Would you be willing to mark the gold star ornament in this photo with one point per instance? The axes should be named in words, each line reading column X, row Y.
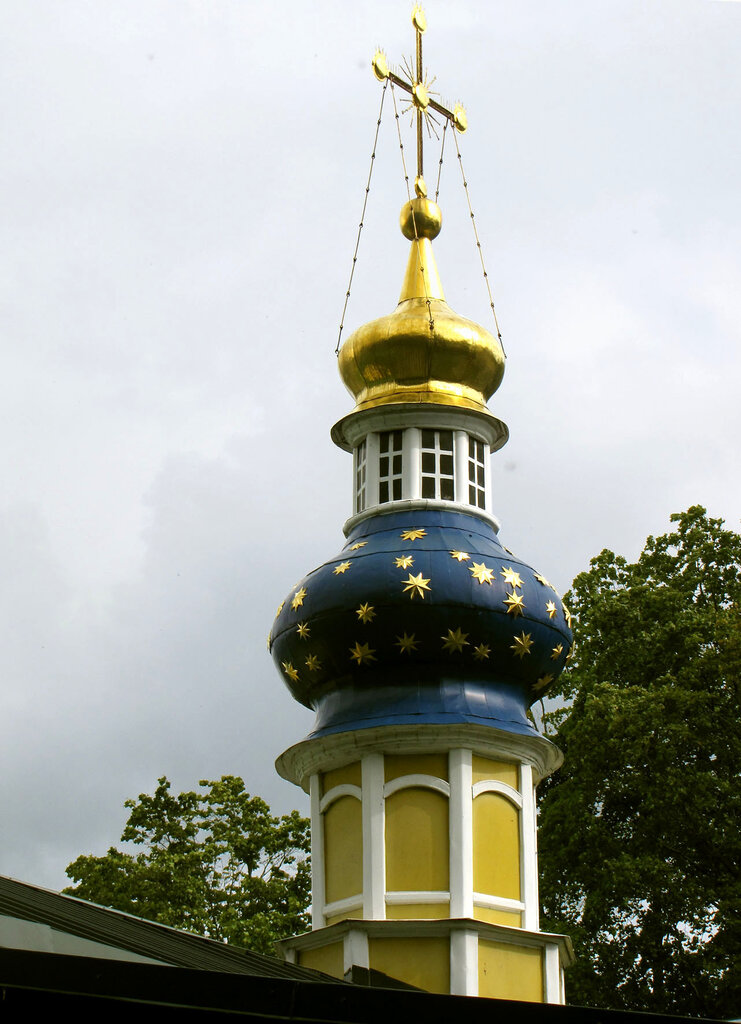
column 406, row 644
column 290, row 671
column 481, row 572
column 303, row 630
column 515, row 604
column 416, row 585
column 362, row 653
column 551, row 609
column 413, row 534
column 542, row 580
column 365, row 613
column 313, row 663
column 460, row 556
column 544, row 681
column 455, row 642
column 481, row 653
column 298, row 598
column 557, row 652
column 404, row 562
column 359, row 545
column 522, row 644
column 280, row 609
column 341, row 569
column 511, row 578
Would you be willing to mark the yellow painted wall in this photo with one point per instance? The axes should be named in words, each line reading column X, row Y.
column 485, row 769
column 510, row 972
column 406, row 911
column 496, row 846
column 396, row 765
column 417, row 840
column 329, row 959
column 513, row 918
column 349, row 773
column 343, row 849
column 350, row 915
column 421, row 962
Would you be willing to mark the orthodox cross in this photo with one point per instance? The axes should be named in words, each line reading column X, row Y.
column 418, row 88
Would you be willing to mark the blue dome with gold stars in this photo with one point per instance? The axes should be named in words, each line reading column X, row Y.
column 423, row 617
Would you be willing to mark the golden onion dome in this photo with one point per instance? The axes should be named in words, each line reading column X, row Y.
column 423, row 352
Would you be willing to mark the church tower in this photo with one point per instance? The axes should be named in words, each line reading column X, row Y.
column 421, row 646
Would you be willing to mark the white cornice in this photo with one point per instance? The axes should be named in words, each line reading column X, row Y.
column 323, row 753
column 428, row 928
column 351, row 429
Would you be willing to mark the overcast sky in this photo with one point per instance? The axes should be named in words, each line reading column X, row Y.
column 181, row 186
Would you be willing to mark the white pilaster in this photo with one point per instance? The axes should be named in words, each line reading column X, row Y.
column 461, row 467
column 461, row 833
column 411, row 467
column 355, row 950
column 374, row 852
column 317, row 854
column 464, row 963
column 529, row 866
column 552, row 988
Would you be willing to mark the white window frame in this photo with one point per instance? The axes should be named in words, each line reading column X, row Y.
column 437, row 475
column 474, row 464
column 361, row 477
column 392, row 477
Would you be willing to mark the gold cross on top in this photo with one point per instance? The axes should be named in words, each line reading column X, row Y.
column 418, row 88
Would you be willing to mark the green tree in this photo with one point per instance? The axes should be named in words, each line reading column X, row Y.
column 639, row 832
column 217, row 863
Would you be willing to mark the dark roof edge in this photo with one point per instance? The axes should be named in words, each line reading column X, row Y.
column 80, row 982
column 147, row 938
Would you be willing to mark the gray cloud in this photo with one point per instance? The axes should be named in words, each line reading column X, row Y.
column 182, row 185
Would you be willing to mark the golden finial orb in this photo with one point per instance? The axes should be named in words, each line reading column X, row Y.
column 420, row 218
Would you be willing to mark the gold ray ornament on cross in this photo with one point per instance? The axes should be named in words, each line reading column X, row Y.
column 418, row 87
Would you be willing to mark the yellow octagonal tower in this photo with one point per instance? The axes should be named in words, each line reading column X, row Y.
column 421, row 646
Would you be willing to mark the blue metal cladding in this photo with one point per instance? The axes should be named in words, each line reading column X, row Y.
column 477, row 638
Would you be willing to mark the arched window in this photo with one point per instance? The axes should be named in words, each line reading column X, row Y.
column 417, row 841
column 343, row 849
column 496, row 846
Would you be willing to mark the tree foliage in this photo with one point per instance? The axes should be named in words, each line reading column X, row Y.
column 216, row 862
column 639, row 831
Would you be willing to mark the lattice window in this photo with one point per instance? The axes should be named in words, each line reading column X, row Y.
column 360, row 476
column 476, row 473
column 438, row 478
column 389, row 466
